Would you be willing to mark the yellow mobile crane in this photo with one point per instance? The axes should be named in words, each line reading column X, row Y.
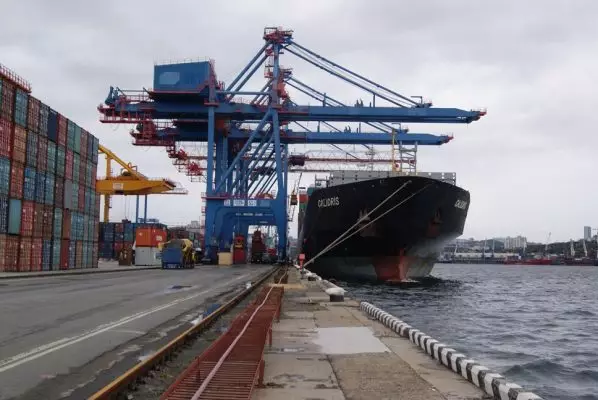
column 130, row 182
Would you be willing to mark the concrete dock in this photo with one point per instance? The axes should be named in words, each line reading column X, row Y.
column 332, row 351
column 66, row 336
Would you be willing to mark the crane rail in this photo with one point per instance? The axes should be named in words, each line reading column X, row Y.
column 134, row 375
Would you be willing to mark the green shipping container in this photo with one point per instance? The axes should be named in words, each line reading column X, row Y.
column 14, row 216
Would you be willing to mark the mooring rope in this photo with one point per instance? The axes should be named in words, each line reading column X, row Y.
column 340, row 239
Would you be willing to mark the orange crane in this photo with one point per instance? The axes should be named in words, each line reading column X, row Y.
column 130, row 182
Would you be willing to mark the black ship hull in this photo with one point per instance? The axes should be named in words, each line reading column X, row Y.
column 399, row 241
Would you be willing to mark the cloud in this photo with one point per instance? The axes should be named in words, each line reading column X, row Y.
column 528, row 164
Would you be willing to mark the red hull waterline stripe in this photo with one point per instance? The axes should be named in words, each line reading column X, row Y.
column 491, row 382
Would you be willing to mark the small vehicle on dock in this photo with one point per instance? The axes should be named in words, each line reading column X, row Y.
column 178, row 253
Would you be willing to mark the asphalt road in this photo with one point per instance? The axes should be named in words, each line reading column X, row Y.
column 55, row 326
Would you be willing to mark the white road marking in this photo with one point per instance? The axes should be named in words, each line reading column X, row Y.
column 48, row 348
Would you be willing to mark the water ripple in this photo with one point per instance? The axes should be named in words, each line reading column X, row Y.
column 536, row 325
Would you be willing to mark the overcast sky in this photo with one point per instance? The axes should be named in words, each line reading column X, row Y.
column 529, row 164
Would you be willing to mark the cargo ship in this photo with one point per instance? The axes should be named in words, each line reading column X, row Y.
column 392, row 226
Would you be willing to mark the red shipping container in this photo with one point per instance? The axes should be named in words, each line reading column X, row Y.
column 16, row 180
column 68, row 171
column 82, row 173
column 42, row 148
column 5, row 138
column 143, row 237
column 62, row 124
column 38, row 221
column 64, row 254
column 118, row 246
column 33, row 115
column 81, row 202
column 158, row 236
column 66, row 224
column 27, row 215
column 119, row 228
column 11, row 253
column 59, row 193
column 36, row 255
column 2, row 252
column 7, row 100
column 19, row 144
column 48, row 216
column 24, row 255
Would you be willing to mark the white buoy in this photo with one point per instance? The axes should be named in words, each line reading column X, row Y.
column 336, row 294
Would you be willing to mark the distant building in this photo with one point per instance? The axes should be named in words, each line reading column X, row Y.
column 517, row 242
column 587, row 233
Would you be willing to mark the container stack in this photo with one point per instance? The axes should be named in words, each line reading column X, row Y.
column 147, row 241
column 48, row 202
column 116, row 236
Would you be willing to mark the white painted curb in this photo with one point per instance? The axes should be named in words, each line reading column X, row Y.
column 492, row 383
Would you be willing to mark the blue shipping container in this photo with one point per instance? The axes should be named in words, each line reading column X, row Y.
column 21, row 102
column 31, row 152
column 46, row 255
column 76, row 167
column 84, row 250
column 85, row 227
column 70, row 135
column 14, row 216
column 29, row 184
column 53, row 126
column 51, row 158
column 77, row 140
column 4, row 175
column 89, row 146
column 50, row 182
column 40, row 187
column 94, row 153
column 57, row 229
column 119, row 237
column 108, row 236
column 60, row 160
column 56, row 255
column 3, row 214
column 75, row 196
column 44, row 111
column 72, row 251
column 91, row 228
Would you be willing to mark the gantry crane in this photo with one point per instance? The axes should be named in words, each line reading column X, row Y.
column 130, row 182
column 247, row 132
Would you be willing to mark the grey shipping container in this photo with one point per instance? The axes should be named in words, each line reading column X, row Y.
column 68, row 194
column 147, row 256
column 3, row 215
column 14, row 216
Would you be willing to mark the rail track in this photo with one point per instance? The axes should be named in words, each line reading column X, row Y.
column 116, row 389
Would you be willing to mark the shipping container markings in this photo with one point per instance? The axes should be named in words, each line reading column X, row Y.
column 19, row 359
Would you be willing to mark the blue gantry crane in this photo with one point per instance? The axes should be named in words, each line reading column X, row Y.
column 248, row 135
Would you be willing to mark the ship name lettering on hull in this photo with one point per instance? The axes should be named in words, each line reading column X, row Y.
column 462, row 204
column 328, row 202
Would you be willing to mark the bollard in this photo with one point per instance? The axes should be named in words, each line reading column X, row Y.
column 336, row 294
